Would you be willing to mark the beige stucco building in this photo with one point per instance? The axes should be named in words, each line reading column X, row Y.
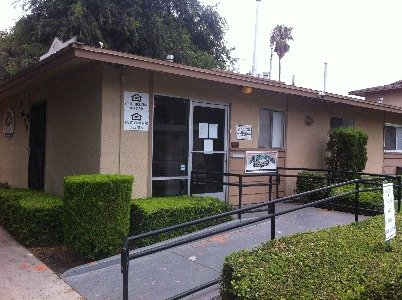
column 90, row 110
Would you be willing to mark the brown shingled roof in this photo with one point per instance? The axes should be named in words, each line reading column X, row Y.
column 393, row 86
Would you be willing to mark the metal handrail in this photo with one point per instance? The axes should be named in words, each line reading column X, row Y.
column 270, row 207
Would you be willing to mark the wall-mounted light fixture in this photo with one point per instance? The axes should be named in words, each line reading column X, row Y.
column 246, row 89
column 23, row 115
column 309, row 120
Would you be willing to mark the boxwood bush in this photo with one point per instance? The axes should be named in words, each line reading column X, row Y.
column 307, row 181
column 345, row 262
column 154, row 213
column 347, row 149
column 369, row 202
column 96, row 213
column 34, row 218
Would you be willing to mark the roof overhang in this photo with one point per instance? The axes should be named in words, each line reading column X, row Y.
column 77, row 54
column 382, row 88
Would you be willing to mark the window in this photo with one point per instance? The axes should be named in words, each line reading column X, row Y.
column 336, row 122
column 271, row 128
column 393, row 137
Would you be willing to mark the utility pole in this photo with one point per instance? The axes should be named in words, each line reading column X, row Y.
column 254, row 68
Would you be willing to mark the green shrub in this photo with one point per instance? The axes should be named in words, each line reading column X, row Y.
column 307, row 181
column 347, row 150
column 345, row 262
column 368, row 201
column 32, row 217
column 4, row 185
column 154, row 213
column 96, row 214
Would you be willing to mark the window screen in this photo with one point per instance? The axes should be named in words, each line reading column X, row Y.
column 390, row 138
column 271, row 128
column 264, row 128
column 277, row 129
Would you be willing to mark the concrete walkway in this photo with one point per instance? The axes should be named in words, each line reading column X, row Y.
column 23, row 276
column 168, row 273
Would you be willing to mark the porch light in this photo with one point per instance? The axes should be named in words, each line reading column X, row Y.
column 246, row 90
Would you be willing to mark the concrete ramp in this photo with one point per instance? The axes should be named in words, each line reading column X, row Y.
column 171, row 272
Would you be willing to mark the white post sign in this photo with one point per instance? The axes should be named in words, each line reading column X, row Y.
column 389, row 210
column 136, row 111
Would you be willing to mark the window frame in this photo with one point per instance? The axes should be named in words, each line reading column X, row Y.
column 396, row 135
column 343, row 123
column 271, row 124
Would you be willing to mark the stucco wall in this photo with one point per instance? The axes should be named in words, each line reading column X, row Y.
column 306, row 144
column 73, row 125
column 130, row 152
column 72, row 129
column 392, row 97
column 124, row 152
column 13, row 153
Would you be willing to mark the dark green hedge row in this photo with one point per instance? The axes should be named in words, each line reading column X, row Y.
column 370, row 203
column 307, row 181
column 32, row 217
column 346, row 262
column 154, row 213
column 96, row 213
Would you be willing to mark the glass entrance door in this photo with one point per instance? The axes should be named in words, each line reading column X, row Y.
column 208, row 144
column 170, row 146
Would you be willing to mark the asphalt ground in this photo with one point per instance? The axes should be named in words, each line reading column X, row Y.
column 170, row 272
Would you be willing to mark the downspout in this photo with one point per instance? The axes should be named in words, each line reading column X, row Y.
column 122, row 82
column 150, row 131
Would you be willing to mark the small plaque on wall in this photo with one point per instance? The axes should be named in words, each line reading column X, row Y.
column 9, row 124
column 244, row 132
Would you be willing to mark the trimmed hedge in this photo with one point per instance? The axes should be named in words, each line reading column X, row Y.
column 96, row 215
column 347, row 149
column 34, row 218
column 154, row 213
column 307, row 181
column 368, row 201
column 345, row 262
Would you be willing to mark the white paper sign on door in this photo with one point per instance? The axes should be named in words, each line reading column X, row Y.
column 213, row 131
column 208, row 145
column 203, row 130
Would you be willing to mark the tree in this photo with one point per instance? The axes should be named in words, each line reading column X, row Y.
column 193, row 33
column 280, row 36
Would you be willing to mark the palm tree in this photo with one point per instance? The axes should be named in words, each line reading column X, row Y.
column 280, row 36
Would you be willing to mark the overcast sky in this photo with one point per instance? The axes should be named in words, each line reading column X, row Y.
column 359, row 39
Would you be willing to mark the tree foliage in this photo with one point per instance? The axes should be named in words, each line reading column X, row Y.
column 280, row 36
column 193, row 33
